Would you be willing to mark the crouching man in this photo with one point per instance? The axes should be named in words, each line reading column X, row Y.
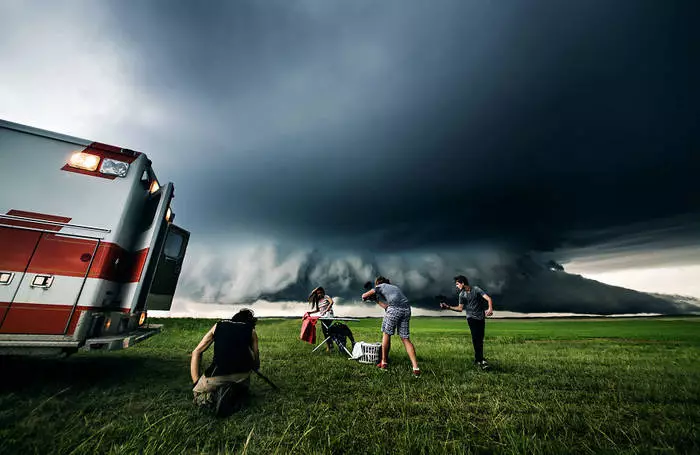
column 225, row 383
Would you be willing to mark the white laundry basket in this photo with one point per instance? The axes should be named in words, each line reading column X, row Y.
column 367, row 352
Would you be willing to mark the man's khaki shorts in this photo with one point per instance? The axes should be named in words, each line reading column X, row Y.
column 205, row 387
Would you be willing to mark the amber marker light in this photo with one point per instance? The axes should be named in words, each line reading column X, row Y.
column 82, row 160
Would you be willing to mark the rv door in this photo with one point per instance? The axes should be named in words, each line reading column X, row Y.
column 162, row 288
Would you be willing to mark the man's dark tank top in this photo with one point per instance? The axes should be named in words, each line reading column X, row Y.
column 232, row 348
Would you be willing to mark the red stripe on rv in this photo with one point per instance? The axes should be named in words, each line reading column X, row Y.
column 39, row 216
column 36, row 216
column 39, row 319
column 42, row 319
column 111, row 261
column 114, row 263
column 68, row 256
column 17, row 246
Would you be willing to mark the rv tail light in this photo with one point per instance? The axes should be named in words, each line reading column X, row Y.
column 82, row 160
column 114, row 167
column 169, row 215
column 142, row 318
column 154, row 187
column 108, row 324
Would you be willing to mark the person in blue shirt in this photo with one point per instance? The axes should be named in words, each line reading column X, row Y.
column 396, row 317
column 473, row 301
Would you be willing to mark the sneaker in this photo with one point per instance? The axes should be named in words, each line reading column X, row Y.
column 485, row 365
column 416, row 372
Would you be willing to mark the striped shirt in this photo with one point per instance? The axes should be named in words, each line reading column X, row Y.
column 324, row 305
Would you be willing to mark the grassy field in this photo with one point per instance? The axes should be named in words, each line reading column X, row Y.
column 557, row 386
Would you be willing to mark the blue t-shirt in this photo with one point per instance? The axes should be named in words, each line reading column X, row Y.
column 391, row 295
column 473, row 302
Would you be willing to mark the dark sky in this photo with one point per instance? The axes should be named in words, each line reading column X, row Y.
column 439, row 122
column 378, row 134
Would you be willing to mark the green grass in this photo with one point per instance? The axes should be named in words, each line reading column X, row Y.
column 557, row 386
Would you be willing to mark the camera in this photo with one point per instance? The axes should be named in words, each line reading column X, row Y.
column 368, row 285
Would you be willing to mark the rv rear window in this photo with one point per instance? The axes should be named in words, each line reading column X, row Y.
column 173, row 245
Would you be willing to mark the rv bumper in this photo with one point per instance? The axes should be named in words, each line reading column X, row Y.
column 123, row 340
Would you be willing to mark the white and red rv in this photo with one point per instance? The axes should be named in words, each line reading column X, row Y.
column 87, row 244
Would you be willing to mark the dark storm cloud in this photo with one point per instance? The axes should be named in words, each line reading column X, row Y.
column 246, row 274
column 416, row 124
column 420, row 140
column 323, row 142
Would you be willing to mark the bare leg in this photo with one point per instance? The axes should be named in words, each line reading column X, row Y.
column 386, row 345
column 411, row 351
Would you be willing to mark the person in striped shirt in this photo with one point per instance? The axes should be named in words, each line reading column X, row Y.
column 322, row 306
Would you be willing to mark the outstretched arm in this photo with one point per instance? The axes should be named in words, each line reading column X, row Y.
column 198, row 351
column 456, row 308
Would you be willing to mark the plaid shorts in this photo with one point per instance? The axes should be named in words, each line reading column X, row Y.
column 396, row 317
